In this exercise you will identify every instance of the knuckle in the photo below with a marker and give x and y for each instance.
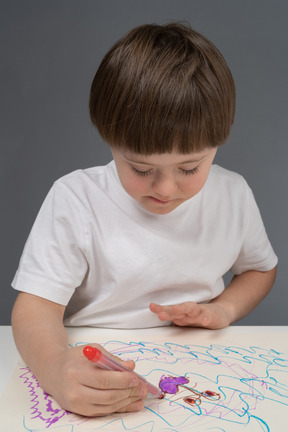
(206, 320)
(72, 397)
(112, 397)
(133, 405)
(104, 381)
(70, 373)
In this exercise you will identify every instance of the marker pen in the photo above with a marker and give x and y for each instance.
(106, 362)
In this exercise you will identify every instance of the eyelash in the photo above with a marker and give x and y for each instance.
(191, 172)
(145, 173)
(140, 173)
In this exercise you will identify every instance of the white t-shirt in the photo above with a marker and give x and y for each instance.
(98, 251)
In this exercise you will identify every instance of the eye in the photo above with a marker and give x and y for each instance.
(139, 172)
(191, 171)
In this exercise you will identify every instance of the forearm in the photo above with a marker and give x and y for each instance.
(244, 293)
(240, 297)
(36, 323)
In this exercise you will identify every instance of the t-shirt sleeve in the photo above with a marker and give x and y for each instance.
(53, 262)
(256, 252)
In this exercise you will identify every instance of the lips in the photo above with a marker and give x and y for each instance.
(156, 200)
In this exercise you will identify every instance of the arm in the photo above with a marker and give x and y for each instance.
(63, 372)
(241, 296)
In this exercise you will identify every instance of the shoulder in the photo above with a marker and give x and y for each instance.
(223, 179)
(226, 176)
(227, 191)
(80, 177)
(84, 181)
(80, 189)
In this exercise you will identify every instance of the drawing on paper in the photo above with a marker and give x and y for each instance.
(211, 387)
(170, 385)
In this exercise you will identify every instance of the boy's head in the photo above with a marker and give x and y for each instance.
(161, 89)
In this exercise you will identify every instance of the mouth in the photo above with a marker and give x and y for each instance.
(157, 201)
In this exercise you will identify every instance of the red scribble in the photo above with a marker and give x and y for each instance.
(209, 393)
(189, 400)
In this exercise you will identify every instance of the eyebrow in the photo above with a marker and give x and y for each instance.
(179, 163)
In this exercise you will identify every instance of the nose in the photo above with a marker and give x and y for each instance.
(164, 185)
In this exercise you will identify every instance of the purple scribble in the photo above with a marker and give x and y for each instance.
(50, 414)
(170, 384)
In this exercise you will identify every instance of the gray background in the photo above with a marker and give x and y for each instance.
(49, 53)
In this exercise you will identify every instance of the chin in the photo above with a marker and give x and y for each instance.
(161, 210)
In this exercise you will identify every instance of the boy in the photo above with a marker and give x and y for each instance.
(145, 240)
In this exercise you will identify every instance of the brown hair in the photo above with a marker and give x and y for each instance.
(163, 88)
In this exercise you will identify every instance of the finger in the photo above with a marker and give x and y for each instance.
(89, 401)
(115, 396)
(172, 311)
(163, 312)
(133, 407)
(187, 309)
(123, 406)
(180, 314)
(104, 402)
(86, 400)
(89, 410)
(129, 363)
(109, 380)
(193, 315)
(156, 308)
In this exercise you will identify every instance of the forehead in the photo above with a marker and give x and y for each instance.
(163, 159)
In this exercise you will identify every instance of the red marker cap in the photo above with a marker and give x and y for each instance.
(92, 354)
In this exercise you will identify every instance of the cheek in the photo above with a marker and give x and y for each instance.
(193, 185)
(134, 186)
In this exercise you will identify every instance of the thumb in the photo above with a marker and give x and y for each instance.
(129, 363)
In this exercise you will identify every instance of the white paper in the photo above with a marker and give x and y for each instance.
(246, 372)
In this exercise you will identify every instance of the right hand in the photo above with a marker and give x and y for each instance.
(79, 386)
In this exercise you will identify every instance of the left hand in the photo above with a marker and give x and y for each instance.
(210, 315)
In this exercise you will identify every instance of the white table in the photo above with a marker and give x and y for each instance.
(10, 354)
